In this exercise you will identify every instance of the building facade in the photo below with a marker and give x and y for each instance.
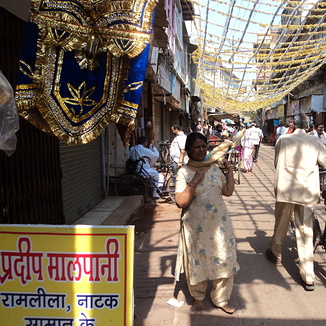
(45, 181)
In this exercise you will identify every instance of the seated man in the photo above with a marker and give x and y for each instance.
(150, 155)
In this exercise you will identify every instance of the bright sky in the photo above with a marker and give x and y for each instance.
(235, 36)
(233, 30)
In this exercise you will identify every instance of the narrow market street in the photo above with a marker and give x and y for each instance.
(264, 294)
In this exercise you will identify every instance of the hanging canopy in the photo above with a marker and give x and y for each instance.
(254, 52)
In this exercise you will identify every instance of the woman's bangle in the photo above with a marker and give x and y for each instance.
(191, 185)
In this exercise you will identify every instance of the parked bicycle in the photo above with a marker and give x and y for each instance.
(319, 237)
(141, 183)
(233, 156)
(164, 149)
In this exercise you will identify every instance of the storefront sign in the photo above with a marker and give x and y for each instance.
(271, 114)
(293, 108)
(66, 275)
(166, 77)
(280, 111)
(317, 103)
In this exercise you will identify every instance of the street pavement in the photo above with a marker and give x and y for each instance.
(264, 294)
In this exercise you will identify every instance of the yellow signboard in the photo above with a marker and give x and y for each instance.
(66, 275)
(280, 111)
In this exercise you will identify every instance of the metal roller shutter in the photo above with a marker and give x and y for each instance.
(81, 178)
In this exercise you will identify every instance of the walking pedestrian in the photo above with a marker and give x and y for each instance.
(178, 153)
(219, 131)
(320, 133)
(290, 128)
(311, 129)
(296, 188)
(281, 130)
(257, 135)
(248, 149)
(207, 248)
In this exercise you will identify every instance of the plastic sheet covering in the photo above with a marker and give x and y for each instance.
(9, 119)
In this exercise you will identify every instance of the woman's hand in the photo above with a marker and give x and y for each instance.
(226, 163)
(228, 187)
(199, 176)
(183, 199)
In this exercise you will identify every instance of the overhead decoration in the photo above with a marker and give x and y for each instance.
(82, 66)
(252, 53)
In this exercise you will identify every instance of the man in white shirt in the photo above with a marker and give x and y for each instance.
(257, 135)
(150, 156)
(320, 133)
(178, 153)
(296, 188)
(281, 130)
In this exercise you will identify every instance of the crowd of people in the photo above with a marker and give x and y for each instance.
(207, 245)
(250, 144)
(207, 249)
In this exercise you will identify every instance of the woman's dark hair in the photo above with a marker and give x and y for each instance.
(191, 139)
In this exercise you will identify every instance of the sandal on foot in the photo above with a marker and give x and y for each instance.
(308, 286)
(198, 305)
(228, 309)
(271, 257)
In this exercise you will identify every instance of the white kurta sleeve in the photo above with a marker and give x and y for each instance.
(322, 156)
(153, 156)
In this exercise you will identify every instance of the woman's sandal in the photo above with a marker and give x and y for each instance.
(198, 305)
(228, 309)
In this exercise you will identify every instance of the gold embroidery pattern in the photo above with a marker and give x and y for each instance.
(79, 97)
(91, 27)
(88, 33)
(133, 86)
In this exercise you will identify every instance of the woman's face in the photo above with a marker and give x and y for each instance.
(198, 150)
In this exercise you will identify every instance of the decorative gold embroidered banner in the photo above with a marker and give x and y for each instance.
(82, 66)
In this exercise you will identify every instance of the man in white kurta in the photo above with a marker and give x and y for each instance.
(150, 156)
(297, 189)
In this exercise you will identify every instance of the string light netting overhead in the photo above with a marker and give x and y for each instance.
(252, 53)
